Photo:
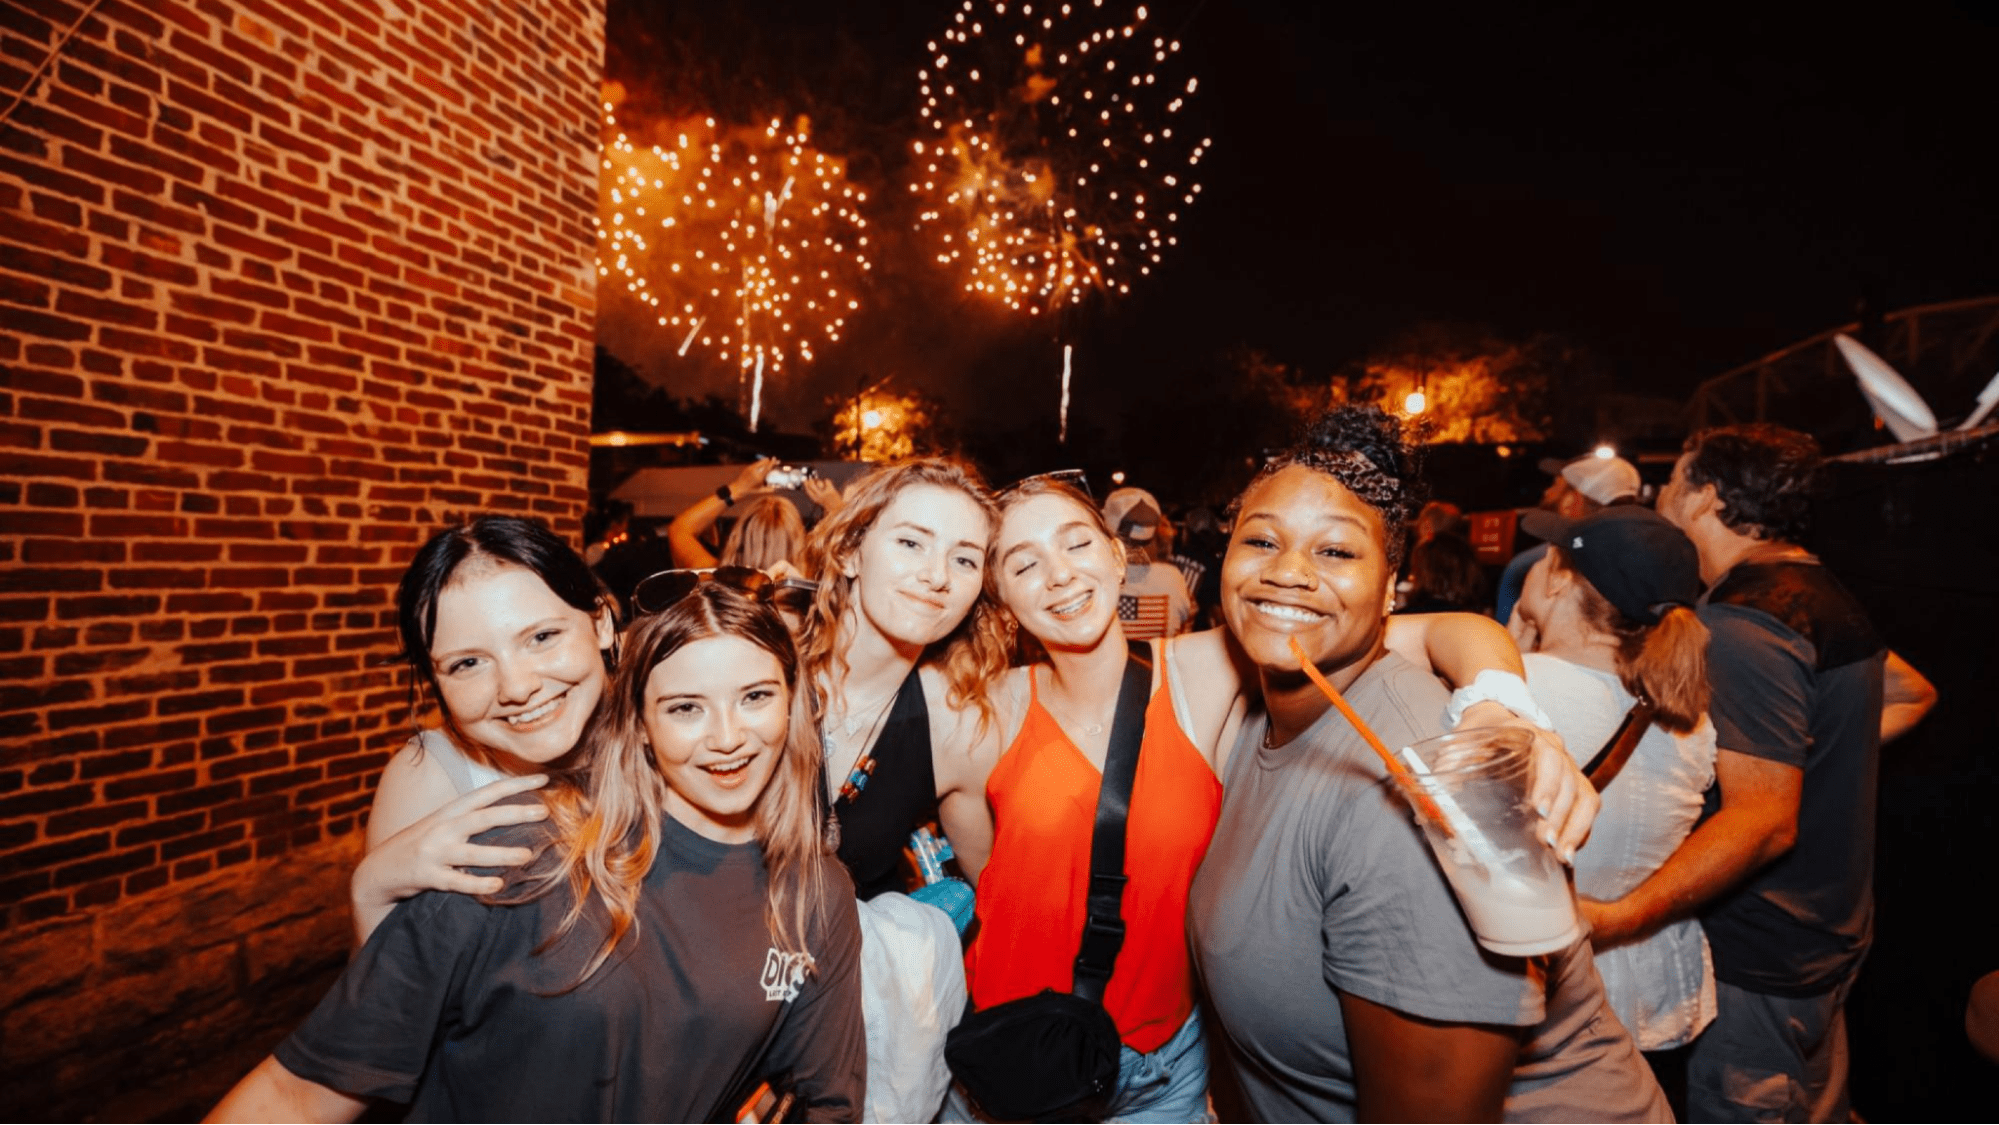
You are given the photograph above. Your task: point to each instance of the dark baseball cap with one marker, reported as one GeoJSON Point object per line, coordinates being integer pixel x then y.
{"type": "Point", "coordinates": [1639, 563]}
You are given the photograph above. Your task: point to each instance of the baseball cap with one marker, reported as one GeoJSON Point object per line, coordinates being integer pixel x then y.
{"type": "Point", "coordinates": [1639, 563]}
{"type": "Point", "coordinates": [1602, 479]}
{"type": "Point", "coordinates": [1132, 513]}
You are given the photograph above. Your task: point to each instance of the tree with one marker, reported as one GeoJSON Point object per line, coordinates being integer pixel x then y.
{"type": "Point", "coordinates": [1477, 386]}
{"type": "Point", "coordinates": [877, 424]}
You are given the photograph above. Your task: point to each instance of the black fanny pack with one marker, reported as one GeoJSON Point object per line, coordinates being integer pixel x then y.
{"type": "Point", "coordinates": [1053, 1056]}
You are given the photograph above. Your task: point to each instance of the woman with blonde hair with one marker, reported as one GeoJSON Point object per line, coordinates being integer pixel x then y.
{"type": "Point", "coordinates": [1608, 615]}
{"type": "Point", "coordinates": [768, 528]}
{"type": "Point", "coordinates": [681, 931]}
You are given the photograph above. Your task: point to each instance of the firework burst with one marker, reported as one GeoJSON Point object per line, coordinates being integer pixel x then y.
{"type": "Point", "coordinates": [744, 242]}
{"type": "Point", "coordinates": [1055, 159]}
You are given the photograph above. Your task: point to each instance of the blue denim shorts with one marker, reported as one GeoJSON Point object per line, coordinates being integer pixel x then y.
{"type": "Point", "coordinates": [1166, 1085]}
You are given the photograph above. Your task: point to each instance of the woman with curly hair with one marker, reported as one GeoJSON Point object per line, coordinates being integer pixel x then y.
{"type": "Point", "coordinates": [904, 653]}
{"type": "Point", "coordinates": [1335, 955]}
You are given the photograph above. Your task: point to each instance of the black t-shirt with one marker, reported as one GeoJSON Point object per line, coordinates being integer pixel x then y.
{"type": "Point", "coordinates": [1797, 670]}
{"type": "Point", "coordinates": [449, 1008]}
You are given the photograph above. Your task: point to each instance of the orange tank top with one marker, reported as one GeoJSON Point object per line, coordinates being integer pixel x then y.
{"type": "Point", "coordinates": [1031, 899]}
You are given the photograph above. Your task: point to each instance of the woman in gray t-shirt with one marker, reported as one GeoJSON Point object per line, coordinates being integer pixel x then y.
{"type": "Point", "coordinates": [1333, 954]}
{"type": "Point", "coordinates": [682, 931]}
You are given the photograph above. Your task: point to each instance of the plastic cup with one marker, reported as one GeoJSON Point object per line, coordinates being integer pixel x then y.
{"type": "Point", "coordinates": [1469, 789]}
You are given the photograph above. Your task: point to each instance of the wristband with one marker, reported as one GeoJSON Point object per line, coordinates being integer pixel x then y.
{"type": "Point", "coordinates": [727, 498]}
{"type": "Point", "coordinates": [1503, 688]}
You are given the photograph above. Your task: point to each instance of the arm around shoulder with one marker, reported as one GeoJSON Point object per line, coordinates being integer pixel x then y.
{"type": "Point", "coordinates": [1456, 647]}
{"type": "Point", "coordinates": [420, 833]}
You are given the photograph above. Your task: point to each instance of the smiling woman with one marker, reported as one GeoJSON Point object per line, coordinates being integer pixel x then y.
{"type": "Point", "coordinates": [1057, 569]}
{"type": "Point", "coordinates": [1330, 945]}
{"type": "Point", "coordinates": [507, 629]}
{"type": "Point", "coordinates": [681, 931]}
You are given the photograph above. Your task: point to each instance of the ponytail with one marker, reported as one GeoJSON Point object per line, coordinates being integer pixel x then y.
{"type": "Point", "coordinates": [1664, 663]}
{"type": "Point", "coordinates": [1668, 665]}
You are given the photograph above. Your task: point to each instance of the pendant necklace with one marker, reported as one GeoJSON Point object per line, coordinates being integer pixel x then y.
{"type": "Point", "coordinates": [864, 762]}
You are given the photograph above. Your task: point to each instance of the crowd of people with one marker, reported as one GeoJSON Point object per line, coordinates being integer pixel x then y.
{"type": "Point", "coordinates": [655, 858]}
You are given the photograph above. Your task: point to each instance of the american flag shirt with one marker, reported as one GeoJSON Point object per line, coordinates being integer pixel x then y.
{"type": "Point", "coordinates": [1153, 602]}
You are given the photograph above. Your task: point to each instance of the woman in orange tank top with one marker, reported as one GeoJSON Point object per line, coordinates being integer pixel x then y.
{"type": "Point", "coordinates": [1056, 568]}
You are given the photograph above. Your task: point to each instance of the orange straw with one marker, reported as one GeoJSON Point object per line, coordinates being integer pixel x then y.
{"type": "Point", "coordinates": [1423, 802]}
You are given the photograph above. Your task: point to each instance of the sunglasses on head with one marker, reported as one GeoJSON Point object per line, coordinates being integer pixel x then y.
{"type": "Point", "coordinates": [1074, 478]}
{"type": "Point", "coordinates": [668, 587]}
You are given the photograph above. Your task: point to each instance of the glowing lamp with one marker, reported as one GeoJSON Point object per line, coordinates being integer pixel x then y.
{"type": "Point", "coordinates": [1117, 477]}
{"type": "Point", "coordinates": [1415, 403]}
{"type": "Point", "coordinates": [1606, 451]}
{"type": "Point", "coordinates": [871, 418]}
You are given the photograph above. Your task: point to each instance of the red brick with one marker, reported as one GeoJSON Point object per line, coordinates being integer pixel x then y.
{"type": "Point", "coordinates": [94, 817]}
{"type": "Point", "coordinates": [195, 199]}
{"type": "Point", "coordinates": [101, 308]}
{"type": "Point", "coordinates": [95, 108]}
{"type": "Point", "coordinates": [57, 268]}
{"type": "Point", "coordinates": [149, 265]}
{"type": "Point", "coordinates": [41, 119]}
{"type": "Point", "coordinates": [85, 163]}
{"type": "Point", "coordinates": [57, 210]}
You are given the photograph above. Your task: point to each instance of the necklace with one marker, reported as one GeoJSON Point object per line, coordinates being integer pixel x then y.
{"type": "Point", "coordinates": [1090, 730]}
{"type": "Point", "coordinates": [864, 762]}
{"type": "Point", "coordinates": [851, 718]}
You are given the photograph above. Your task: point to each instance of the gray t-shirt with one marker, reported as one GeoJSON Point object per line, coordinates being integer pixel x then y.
{"type": "Point", "coordinates": [454, 1008]}
{"type": "Point", "coordinates": [1318, 880]}
{"type": "Point", "coordinates": [1797, 673]}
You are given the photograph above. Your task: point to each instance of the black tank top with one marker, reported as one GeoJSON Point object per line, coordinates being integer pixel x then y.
{"type": "Point", "coordinates": [901, 794]}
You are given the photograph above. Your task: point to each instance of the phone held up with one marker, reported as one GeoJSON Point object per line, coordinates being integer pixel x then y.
{"type": "Point", "coordinates": [788, 476]}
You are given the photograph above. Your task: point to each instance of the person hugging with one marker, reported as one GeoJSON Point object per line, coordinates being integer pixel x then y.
{"type": "Point", "coordinates": [681, 932]}
{"type": "Point", "coordinates": [1335, 957]}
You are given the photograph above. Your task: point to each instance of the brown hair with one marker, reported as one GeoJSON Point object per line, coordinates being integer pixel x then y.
{"type": "Point", "coordinates": [1445, 567]}
{"type": "Point", "coordinates": [1664, 663]}
{"type": "Point", "coordinates": [973, 655]}
{"type": "Point", "coordinates": [770, 530]}
{"type": "Point", "coordinates": [606, 802]}
{"type": "Point", "coordinates": [1763, 475]}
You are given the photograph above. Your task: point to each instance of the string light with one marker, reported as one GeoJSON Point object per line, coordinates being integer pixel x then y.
{"type": "Point", "coordinates": [743, 241]}
{"type": "Point", "coordinates": [1054, 160]}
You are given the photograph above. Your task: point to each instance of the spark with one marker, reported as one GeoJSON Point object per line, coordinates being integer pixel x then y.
{"type": "Point", "coordinates": [722, 227]}
{"type": "Point", "coordinates": [1032, 177]}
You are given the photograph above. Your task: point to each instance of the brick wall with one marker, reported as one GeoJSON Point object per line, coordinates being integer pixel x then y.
{"type": "Point", "coordinates": [283, 288]}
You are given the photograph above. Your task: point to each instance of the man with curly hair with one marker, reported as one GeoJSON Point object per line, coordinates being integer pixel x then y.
{"type": "Point", "coordinates": [1782, 871]}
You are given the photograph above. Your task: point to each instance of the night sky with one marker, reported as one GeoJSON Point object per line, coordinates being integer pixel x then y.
{"type": "Point", "coordinates": [1678, 192]}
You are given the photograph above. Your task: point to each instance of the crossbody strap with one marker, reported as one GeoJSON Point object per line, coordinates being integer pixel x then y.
{"type": "Point", "coordinates": [1103, 927]}
{"type": "Point", "coordinates": [1609, 762]}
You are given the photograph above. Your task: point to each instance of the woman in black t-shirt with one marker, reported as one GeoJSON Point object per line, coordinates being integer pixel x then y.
{"type": "Point", "coordinates": [682, 931]}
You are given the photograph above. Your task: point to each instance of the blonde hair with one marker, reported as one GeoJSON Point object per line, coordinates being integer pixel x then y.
{"type": "Point", "coordinates": [1025, 645]}
{"type": "Point", "coordinates": [1664, 663]}
{"type": "Point", "coordinates": [973, 655]}
{"type": "Point", "coordinates": [769, 531]}
{"type": "Point", "coordinates": [606, 806]}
